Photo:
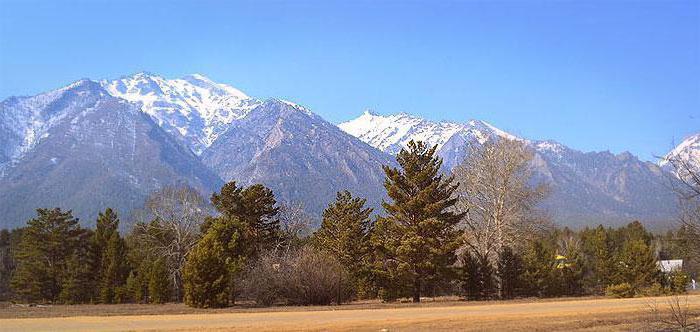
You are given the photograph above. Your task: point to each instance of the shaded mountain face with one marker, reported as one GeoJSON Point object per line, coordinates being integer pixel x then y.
{"type": "Point", "coordinates": [86, 150]}
{"type": "Point", "coordinates": [601, 187]}
{"type": "Point", "coordinates": [300, 156]}
{"type": "Point", "coordinates": [587, 188]}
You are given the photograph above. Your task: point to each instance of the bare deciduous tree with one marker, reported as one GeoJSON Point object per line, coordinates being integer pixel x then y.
{"type": "Point", "coordinates": [496, 192]}
{"type": "Point", "coordinates": [688, 191]}
{"type": "Point", "coordinates": [295, 224]}
{"type": "Point", "coordinates": [169, 227]}
{"type": "Point", "coordinates": [677, 317]}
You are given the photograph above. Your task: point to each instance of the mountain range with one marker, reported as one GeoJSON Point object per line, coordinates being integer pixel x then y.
{"type": "Point", "coordinates": [94, 144]}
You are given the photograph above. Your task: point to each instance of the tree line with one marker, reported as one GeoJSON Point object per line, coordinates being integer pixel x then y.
{"type": "Point", "coordinates": [477, 233]}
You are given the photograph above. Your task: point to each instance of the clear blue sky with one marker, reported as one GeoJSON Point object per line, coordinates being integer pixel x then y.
{"type": "Point", "coordinates": [595, 75]}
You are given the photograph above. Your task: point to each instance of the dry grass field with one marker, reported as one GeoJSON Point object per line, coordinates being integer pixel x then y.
{"type": "Point", "coordinates": [587, 314]}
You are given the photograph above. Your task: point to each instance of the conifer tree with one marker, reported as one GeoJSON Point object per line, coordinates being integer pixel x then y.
{"type": "Point", "coordinates": [603, 258]}
{"type": "Point", "coordinates": [246, 225]}
{"type": "Point", "coordinates": [637, 265]}
{"type": "Point", "coordinates": [344, 233]}
{"type": "Point", "coordinates": [417, 239]}
{"type": "Point", "coordinates": [76, 279]}
{"type": "Point", "coordinates": [477, 277]}
{"type": "Point", "coordinates": [115, 268]}
{"type": "Point", "coordinates": [138, 281]}
{"type": "Point", "coordinates": [106, 225]}
{"type": "Point", "coordinates": [470, 276]}
{"type": "Point", "coordinates": [539, 267]}
{"type": "Point", "coordinates": [206, 274]}
{"type": "Point", "coordinates": [158, 283]}
{"type": "Point", "coordinates": [47, 244]}
{"type": "Point", "coordinates": [255, 208]}
{"type": "Point", "coordinates": [510, 269]}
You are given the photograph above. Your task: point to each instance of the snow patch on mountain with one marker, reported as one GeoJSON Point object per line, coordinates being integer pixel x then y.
{"type": "Point", "coordinates": [194, 107]}
{"type": "Point", "coordinates": [687, 151]}
{"type": "Point", "coordinates": [27, 120]}
{"type": "Point", "coordinates": [392, 132]}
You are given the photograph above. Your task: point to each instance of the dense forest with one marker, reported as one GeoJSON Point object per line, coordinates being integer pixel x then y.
{"type": "Point", "coordinates": [477, 233]}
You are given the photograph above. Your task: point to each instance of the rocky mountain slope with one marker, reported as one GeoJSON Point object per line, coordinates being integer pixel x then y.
{"type": "Point", "coordinates": [85, 150]}
{"type": "Point", "coordinates": [302, 157]}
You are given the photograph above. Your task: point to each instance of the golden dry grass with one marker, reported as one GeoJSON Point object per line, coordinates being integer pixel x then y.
{"type": "Point", "coordinates": [591, 314]}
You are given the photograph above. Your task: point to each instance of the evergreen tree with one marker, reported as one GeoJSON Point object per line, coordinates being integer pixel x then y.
{"type": "Point", "coordinates": [485, 278]}
{"type": "Point", "coordinates": [255, 208]}
{"type": "Point", "coordinates": [158, 283]}
{"type": "Point", "coordinates": [470, 276]}
{"type": "Point", "coordinates": [637, 265]}
{"type": "Point", "coordinates": [570, 272]}
{"type": "Point", "coordinates": [477, 277]}
{"type": "Point", "coordinates": [246, 225]}
{"type": "Point", "coordinates": [9, 241]}
{"type": "Point", "coordinates": [539, 266]}
{"type": "Point", "coordinates": [106, 225]}
{"type": "Point", "coordinates": [417, 239]}
{"type": "Point", "coordinates": [206, 275]}
{"type": "Point", "coordinates": [47, 244]}
{"type": "Point", "coordinates": [138, 281]}
{"type": "Point", "coordinates": [344, 233]}
{"type": "Point", "coordinates": [77, 278]}
{"type": "Point", "coordinates": [510, 270]}
{"type": "Point", "coordinates": [635, 231]}
{"type": "Point", "coordinates": [604, 258]}
{"type": "Point", "coordinates": [115, 268]}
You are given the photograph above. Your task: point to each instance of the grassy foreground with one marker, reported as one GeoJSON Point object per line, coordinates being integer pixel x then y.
{"type": "Point", "coordinates": [589, 314]}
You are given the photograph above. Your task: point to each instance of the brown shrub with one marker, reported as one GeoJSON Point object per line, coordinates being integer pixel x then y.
{"type": "Point", "coordinates": [303, 277]}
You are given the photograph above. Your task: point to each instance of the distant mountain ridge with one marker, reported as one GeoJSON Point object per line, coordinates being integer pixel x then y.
{"type": "Point", "coordinates": [134, 134]}
{"type": "Point", "coordinates": [588, 188]}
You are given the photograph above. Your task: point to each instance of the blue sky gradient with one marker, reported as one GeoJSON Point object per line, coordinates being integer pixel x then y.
{"type": "Point", "coordinates": [595, 75]}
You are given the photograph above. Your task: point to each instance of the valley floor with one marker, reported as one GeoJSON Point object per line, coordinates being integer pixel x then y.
{"type": "Point", "coordinates": [588, 314]}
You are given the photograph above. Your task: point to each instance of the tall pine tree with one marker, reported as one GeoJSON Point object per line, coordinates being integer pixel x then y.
{"type": "Point", "coordinates": [115, 269]}
{"type": "Point", "coordinates": [48, 243]}
{"type": "Point", "coordinates": [417, 239]}
{"type": "Point", "coordinates": [158, 283]}
{"type": "Point", "coordinates": [510, 270]}
{"type": "Point", "coordinates": [111, 268]}
{"type": "Point", "coordinates": [256, 211]}
{"type": "Point", "coordinates": [344, 233]}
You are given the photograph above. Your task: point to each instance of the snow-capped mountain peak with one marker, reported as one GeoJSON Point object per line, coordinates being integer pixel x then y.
{"type": "Point", "coordinates": [194, 107]}
{"type": "Point", "coordinates": [687, 151]}
{"type": "Point", "coordinates": [392, 132]}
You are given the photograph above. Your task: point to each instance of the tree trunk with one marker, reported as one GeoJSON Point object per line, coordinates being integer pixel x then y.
{"type": "Point", "coordinates": [416, 289]}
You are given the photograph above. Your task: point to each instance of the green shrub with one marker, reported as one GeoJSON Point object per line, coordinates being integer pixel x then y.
{"type": "Point", "coordinates": [623, 290]}
{"type": "Point", "coordinates": [654, 290]}
{"type": "Point", "coordinates": [206, 276]}
{"type": "Point", "coordinates": [678, 281]}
